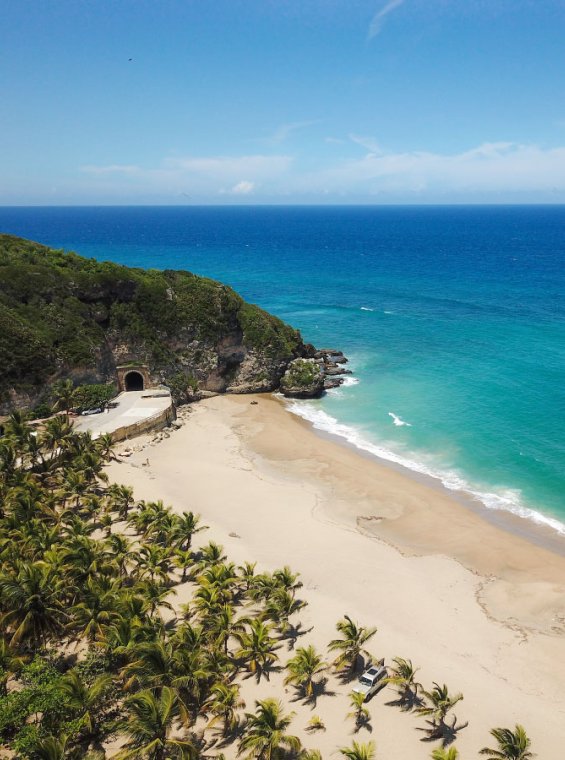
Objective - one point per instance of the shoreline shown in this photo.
(541, 533)
(473, 606)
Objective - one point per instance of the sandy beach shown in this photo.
(473, 606)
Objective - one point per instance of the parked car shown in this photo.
(372, 680)
(86, 412)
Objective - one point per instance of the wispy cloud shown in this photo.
(501, 167)
(111, 169)
(378, 19)
(369, 143)
(231, 167)
(284, 131)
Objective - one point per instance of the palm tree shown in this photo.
(32, 603)
(512, 745)
(149, 726)
(280, 606)
(11, 662)
(359, 751)
(257, 647)
(121, 499)
(351, 645)
(183, 559)
(303, 667)
(440, 702)
(404, 677)
(223, 625)
(445, 754)
(65, 395)
(50, 748)
(247, 573)
(186, 526)
(211, 554)
(287, 579)
(359, 712)
(266, 737)
(223, 701)
(85, 700)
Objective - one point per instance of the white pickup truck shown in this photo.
(372, 680)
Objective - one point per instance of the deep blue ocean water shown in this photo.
(453, 319)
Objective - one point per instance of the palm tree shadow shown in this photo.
(351, 673)
(264, 671)
(319, 689)
(364, 721)
(233, 735)
(447, 733)
(293, 633)
(406, 702)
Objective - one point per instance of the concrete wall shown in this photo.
(156, 422)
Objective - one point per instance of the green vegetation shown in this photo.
(60, 312)
(302, 373)
(91, 396)
(512, 745)
(95, 654)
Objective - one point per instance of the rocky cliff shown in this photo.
(62, 316)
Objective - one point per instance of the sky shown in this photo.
(282, 101)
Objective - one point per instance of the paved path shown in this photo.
(133, 406)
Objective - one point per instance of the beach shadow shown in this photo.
(222, 740)
(293, 633)
(364, 721)
(264, 671)
(445, 732)
(319, 689)
(406, 702)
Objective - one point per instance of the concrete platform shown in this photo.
(134, 408)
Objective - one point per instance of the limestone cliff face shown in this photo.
(65, 316)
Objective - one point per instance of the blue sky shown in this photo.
(282, 101)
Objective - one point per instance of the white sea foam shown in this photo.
(507, 500)
(366, 308)
(349, 381)
(398, 421)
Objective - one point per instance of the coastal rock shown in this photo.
(337, 371)
(304, 378)
(332, 382)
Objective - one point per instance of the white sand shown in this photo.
(490, 624)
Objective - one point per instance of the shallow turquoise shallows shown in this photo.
(453, 319)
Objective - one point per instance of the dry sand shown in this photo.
(474, 606)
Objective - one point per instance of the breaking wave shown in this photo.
(508, 500)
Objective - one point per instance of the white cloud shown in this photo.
(378, 19)
(243, 188)
(488, 171)
(486, 168)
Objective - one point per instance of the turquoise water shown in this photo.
(453, 319)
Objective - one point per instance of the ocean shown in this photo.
(453, 320)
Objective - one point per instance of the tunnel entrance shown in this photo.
(134, 381)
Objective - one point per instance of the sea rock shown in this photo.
(337, 371)
(332, 382)
(304, 378)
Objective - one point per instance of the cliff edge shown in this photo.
(65, 316)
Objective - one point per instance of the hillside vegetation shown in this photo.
(62, 315)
